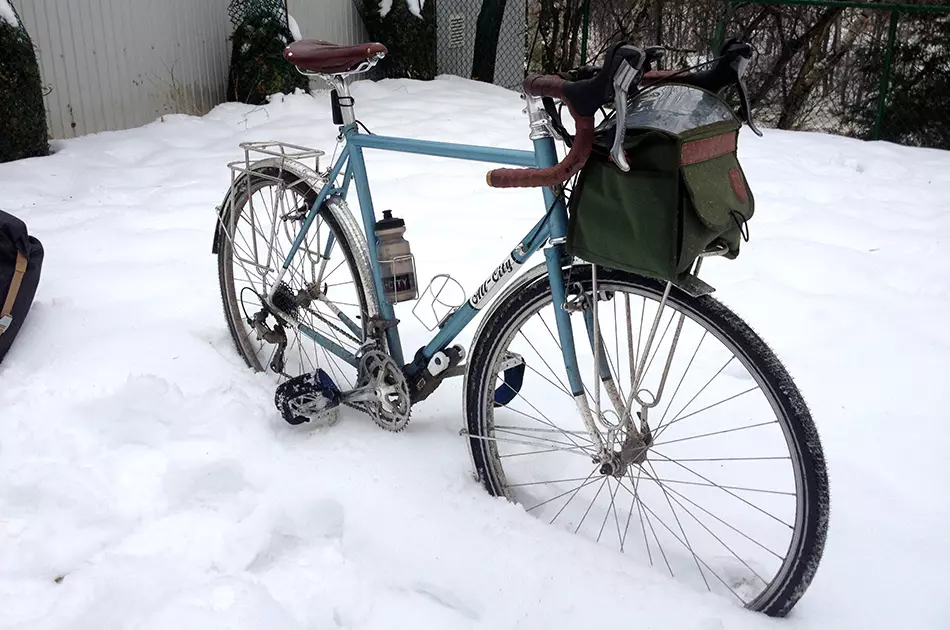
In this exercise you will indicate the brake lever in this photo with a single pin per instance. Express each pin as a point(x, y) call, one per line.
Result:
point(624, 77)
point(740, 65)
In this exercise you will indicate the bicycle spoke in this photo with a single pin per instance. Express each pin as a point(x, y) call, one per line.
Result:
point(586, 512)
point(680, 383)
point(726, 490)
point(680, 525)
point(501, 440)
point(538, 483)
point(719, 540)
point(326, 277)
point(613, 508)
point(547, 421)
point(659, 343)
point(541, 452)
point(732, 459)
point(724, 431)
point(574, 490)
point(699, 393)
point(698, 559)
point(658, 433)
point(720, 520)
point(646, 513)
point(544, 441)
point(578, 434)
point(547, 379)
point(546, 364)
point(721, 487)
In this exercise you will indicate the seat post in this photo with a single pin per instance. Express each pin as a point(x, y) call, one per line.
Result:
point(343, 98)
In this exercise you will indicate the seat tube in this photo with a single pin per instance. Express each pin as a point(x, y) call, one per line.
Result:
point(369, 227)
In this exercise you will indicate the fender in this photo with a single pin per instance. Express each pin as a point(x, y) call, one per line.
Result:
point(335, 204)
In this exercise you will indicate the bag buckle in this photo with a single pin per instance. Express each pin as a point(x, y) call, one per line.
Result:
point(5, 322)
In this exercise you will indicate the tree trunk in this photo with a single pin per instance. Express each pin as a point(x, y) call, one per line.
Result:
point(789, 51)
point(487, 31)
point(817, 65)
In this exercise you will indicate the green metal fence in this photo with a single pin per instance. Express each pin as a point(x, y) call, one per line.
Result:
point(866, 70)
point(862, 69)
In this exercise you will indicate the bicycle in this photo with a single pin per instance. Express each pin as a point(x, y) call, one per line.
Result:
point(334, 342)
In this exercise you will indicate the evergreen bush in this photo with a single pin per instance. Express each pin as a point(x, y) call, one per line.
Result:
point(258, 67)
point(23, 131)
point(410, 39)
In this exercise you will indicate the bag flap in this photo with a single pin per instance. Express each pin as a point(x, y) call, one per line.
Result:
point(715, 181)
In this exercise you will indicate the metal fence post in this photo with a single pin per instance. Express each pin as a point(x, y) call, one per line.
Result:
point(585, 31)
point(721, 27)
point(885, 74)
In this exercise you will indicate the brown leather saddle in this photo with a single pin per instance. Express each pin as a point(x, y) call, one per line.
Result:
point(314, 55)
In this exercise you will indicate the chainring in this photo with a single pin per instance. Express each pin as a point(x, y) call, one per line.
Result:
point(390, 406)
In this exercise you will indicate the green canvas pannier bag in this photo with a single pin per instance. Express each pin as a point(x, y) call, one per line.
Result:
point(685, 192)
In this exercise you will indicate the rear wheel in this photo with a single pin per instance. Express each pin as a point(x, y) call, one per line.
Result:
point(720, 484)
point(321, 289)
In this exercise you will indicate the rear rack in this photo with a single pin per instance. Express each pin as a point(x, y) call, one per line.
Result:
point(302, 163)
point(281, 155)
point(285, 152)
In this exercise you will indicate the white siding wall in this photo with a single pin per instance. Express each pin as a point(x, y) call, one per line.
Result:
point(115, 64)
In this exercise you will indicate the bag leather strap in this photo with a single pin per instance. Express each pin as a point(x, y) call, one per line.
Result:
point(6, 313)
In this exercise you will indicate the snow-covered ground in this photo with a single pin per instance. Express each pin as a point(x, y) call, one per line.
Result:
point(146, 480)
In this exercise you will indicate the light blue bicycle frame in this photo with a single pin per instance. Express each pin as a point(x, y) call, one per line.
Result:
point(552, 225)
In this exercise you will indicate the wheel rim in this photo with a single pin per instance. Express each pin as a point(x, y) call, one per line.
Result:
point(262, 230)
point(663, 510)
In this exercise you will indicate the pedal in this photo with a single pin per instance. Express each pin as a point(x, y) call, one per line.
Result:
point(312, 397)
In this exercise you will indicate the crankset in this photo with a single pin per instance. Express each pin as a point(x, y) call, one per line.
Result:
point(382, 391)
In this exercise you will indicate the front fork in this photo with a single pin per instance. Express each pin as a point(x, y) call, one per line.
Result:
point(553, 256)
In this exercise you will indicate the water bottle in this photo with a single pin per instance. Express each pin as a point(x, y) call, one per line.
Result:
point(395, 258)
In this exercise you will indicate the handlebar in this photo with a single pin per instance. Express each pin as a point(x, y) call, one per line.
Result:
point(624, 67)
point(554, 87)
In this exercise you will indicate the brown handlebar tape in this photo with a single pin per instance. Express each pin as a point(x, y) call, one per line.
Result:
point(548, 85)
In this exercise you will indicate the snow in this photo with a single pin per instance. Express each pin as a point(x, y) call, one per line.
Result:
point(415, 7)
point(142, 464)
point(295, 31)
point(7, 13)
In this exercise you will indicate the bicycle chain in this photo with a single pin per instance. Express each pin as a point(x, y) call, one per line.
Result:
point(323, 319)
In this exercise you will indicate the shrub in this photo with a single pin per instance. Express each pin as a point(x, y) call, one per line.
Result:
point(23, 132)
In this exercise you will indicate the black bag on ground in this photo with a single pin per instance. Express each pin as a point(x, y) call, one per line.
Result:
point(21, 260)
point(684, 195)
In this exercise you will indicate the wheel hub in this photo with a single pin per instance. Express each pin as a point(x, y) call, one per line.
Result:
point(632, 452)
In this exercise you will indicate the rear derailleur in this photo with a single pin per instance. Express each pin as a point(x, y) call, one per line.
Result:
point(276, 335)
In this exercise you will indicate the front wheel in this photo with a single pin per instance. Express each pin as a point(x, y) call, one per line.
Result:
point(713, 473)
